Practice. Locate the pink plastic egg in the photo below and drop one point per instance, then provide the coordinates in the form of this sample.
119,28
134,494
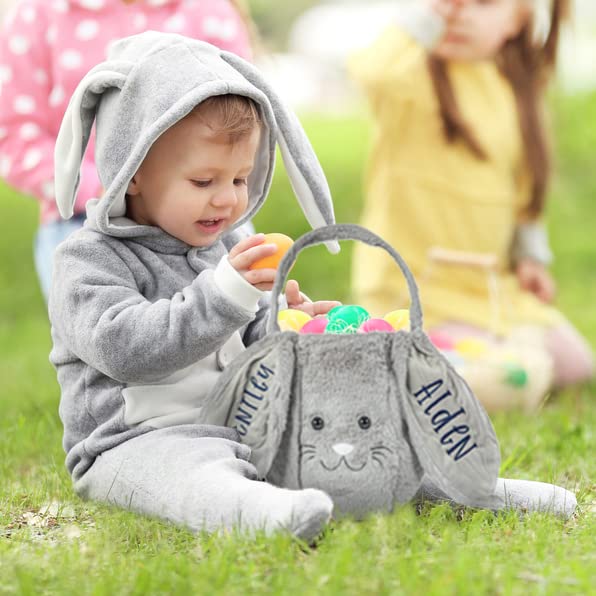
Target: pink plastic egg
442,341
375,325
316,325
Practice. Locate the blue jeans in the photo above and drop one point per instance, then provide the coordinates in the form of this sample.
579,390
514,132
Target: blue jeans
48,237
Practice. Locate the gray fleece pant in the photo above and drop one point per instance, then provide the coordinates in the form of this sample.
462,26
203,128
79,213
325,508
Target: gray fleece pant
201,482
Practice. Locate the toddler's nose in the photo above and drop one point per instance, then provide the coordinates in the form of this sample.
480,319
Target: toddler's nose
225,197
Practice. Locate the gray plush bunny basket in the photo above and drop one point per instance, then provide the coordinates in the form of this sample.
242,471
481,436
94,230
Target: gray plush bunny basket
363,417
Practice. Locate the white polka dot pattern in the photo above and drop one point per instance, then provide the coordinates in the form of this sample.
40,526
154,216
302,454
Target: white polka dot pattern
18,45
139,21
32,159
29,131
3,132
5,74
224,29
60,6
86,30
71,59
28,14
92,4
175,24
57,96
24,104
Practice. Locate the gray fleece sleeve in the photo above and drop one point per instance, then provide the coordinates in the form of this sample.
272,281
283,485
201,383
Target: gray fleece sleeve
98,312
530,241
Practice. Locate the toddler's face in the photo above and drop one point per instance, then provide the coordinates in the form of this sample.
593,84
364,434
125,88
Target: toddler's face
193,183
478,29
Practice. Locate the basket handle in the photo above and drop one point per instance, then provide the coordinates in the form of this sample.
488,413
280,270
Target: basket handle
342,232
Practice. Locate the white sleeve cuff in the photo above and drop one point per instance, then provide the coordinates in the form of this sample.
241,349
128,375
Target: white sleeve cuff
235,287
531,242
421,22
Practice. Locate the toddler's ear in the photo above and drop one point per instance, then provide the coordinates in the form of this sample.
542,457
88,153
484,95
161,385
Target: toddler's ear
133,187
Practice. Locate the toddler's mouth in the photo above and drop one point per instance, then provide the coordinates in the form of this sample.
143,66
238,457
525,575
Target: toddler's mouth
210,225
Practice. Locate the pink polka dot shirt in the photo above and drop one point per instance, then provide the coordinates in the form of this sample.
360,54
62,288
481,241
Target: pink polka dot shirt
46,48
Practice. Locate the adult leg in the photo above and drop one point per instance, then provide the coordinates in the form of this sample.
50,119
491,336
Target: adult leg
203,483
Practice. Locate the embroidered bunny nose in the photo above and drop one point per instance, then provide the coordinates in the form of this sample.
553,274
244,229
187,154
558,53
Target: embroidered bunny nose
343,448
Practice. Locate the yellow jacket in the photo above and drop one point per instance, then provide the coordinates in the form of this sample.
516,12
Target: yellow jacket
423,192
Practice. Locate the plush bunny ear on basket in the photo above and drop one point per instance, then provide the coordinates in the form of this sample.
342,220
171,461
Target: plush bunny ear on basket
364,417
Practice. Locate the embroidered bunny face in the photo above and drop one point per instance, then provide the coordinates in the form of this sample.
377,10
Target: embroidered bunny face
357,455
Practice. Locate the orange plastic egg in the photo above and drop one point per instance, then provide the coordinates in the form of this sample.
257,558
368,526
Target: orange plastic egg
283,244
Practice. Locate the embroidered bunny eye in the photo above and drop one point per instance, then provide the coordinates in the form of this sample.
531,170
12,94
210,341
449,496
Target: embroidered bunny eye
364,422
317,423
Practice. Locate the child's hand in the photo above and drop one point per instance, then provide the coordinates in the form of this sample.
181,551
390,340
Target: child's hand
248,251
534,278
298,301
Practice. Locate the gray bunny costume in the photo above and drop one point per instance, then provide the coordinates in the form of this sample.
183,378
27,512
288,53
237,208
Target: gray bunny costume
143,324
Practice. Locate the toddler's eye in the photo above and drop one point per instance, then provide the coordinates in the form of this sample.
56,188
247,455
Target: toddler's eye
240,182
364,422
201,183
317,423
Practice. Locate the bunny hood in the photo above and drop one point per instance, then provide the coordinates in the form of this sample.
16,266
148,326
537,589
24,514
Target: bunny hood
151,81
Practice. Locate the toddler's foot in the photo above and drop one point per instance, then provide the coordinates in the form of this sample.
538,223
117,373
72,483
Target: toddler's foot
527,495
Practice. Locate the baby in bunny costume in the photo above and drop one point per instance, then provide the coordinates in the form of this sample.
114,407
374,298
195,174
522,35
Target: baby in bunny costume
154,296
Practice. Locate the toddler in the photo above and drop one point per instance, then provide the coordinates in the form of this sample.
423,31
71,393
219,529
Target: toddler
155,295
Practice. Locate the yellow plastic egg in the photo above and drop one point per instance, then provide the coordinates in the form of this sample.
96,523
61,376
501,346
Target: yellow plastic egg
292,320
398,319
471,347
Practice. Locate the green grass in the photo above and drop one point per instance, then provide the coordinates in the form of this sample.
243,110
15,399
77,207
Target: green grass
83,548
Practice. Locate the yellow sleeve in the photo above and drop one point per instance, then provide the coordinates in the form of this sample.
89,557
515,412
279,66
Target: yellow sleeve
394,58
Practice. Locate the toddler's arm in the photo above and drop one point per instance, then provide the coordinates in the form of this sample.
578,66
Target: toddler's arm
97,310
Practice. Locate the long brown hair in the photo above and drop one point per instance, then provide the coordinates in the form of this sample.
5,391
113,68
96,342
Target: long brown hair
528,69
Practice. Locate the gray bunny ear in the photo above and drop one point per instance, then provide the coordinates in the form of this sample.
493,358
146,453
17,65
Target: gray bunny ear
255,389
75,130
303,168
448,428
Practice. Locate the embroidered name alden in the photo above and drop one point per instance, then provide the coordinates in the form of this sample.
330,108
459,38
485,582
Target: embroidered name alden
443,421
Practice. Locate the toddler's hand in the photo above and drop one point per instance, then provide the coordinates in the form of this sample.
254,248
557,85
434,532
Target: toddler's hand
298,301
248,251
534,278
